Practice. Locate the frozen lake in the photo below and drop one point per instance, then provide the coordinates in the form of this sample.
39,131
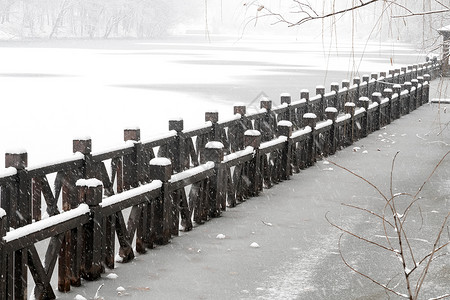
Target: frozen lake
55,91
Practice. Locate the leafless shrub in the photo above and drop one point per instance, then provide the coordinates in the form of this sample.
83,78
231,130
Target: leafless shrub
393,219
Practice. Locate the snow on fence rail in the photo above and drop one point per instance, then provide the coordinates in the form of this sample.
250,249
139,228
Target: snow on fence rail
196,183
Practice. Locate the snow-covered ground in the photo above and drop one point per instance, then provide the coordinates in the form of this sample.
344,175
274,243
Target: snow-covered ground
55,91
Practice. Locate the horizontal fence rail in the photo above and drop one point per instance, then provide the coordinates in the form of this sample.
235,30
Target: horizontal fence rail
144,191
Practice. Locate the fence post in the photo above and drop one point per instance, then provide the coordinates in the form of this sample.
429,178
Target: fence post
20,193
311,120
304,94
91,192
332,114
387,93
409,99
161,169
426,87
213,117
320,90
350,109
397,89
253,139
376,97
179,150
214,152
357,82
132,164
236,132
416,102
84,146
364,102
285,129
267,124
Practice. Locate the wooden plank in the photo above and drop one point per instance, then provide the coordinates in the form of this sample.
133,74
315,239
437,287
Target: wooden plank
50,231
131,201
173,186
43,289
55,167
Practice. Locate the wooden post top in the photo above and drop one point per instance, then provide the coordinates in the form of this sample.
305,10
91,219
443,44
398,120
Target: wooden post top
176,124
92,189
252,138
285,98
240,109
83,146
160,169
132,134
212,116
17,159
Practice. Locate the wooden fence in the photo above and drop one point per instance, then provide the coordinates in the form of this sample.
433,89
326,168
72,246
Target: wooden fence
223,163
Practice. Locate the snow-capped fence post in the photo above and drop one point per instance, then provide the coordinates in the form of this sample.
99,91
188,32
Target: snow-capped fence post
179,148
304,94
3,257
84,146
236,132
334,101
132,164
426,88
214,152
415,94
397,89
285,129
133,174
267,125
19,207
409,99
332,114
213,117
161,169
91,192
356,84
376,98
311,120
320,90
252,138
364,103
350,109
420,91
387,93
289,115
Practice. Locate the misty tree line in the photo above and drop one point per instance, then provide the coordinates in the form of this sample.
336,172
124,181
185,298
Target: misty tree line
90,18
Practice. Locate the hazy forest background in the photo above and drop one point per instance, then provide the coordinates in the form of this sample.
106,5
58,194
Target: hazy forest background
25,19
